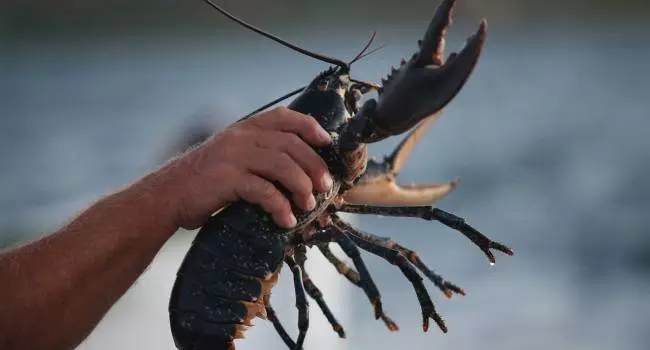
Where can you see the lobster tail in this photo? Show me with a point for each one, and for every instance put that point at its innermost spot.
(221, 284)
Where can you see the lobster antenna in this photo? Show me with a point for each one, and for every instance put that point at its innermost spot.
(279, 99)
(320, 57)
(368, 53)
(360, 54)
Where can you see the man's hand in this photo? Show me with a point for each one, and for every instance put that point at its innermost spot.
(72, 277)
(242, 161)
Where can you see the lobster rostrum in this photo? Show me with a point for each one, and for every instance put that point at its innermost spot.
(226, 278)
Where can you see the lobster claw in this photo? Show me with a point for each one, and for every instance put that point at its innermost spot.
(425, 84)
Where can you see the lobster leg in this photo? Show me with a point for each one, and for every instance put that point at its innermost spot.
(341, 267)
(364, 281)
(429, 213)
(314, 292)
(273, 317)
(354, 278)
(301, 302)
(446, 287)
(395, 257)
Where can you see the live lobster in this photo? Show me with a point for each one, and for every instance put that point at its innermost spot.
(225, 280)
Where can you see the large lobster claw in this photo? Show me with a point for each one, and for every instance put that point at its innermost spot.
(425, 84)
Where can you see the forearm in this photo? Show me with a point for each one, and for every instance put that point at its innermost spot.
(56, 289)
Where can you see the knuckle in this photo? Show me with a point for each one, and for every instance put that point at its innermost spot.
(316, 170)
(254, 123)
(271, 198)
(312, 122)
(282, 111)
(284, 163)
(293, 141)
(248, 189)
(238, 133)
(266, 191)
(315, 163)
(295, 177)
(257, 120)
(319, 169)
(307, 157)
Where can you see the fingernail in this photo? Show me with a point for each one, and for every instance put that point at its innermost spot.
(324, 135)
(327, 182)
(292, 221)
(311, 202)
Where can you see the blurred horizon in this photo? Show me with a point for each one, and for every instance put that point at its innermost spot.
(42, 18)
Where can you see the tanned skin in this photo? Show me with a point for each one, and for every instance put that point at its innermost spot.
(56, 289)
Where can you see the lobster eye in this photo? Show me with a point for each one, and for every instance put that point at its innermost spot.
(322, 85)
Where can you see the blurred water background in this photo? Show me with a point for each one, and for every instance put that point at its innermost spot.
(549, 137)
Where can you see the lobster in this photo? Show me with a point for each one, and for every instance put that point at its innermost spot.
(226, 277)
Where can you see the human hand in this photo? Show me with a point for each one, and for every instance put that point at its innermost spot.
(241, 161)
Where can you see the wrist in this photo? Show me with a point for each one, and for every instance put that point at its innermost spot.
(153, 196)
(187, 186)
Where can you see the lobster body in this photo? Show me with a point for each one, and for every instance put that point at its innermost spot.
(227, 275)
(236, 257)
